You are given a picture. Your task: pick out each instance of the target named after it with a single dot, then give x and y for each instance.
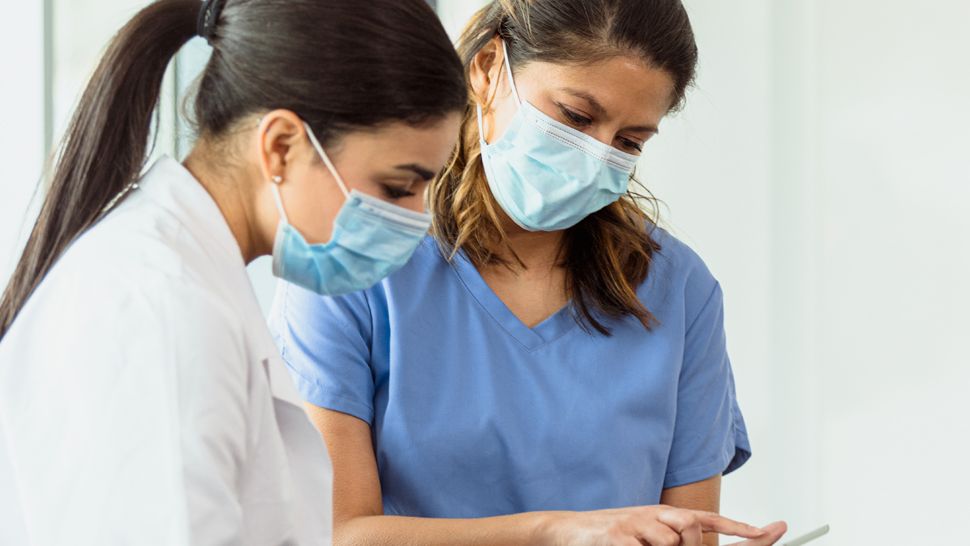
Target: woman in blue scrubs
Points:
(550, 367)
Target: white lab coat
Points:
(136, 405)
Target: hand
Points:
(773, 533)
(651, 525)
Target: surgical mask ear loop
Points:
(508, 68)
(326, 159)
(515, 92)
(277, 180)
(481, 124)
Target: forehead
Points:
(429, 144)
(625, 85)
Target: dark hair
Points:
(338, 64)
(607, 255)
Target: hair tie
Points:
(208, 15)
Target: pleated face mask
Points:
(371, 239)
(548, 176)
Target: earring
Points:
(277, 180)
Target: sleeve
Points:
(143, 406)
(710, 437)
(326, 345)
(213, 415)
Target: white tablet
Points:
(805, 539)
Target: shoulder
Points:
(136, 240)
(127, 276)
(155, 336)
(126, 299)
(430, 254)
(677, 269)
(675, 256)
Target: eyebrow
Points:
(600, 110)
(422, 172)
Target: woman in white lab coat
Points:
(135, 400)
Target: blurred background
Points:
(822, 169)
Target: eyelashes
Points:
(576, 119)
(395, 192)
(581, 122)
(627, 143)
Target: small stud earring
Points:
(277, 180)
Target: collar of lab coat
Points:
(169, 184)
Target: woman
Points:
(551, 367)
(134, 391)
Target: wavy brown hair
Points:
(608, 254)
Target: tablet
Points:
(805, 539)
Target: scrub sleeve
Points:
(325, 342)
(710, 437)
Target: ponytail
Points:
(104, 148)
(340, 65)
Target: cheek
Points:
(416, 202)
(313, 208)
(503, 110)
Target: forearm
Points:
(704, 495)
(525, 529)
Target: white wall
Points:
(893, 154)
(22, 138)
(21, 154)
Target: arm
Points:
(704, 496)
(358, 512)
(709, 434)
(212, 403)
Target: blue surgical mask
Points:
(548, 176)
(371, 239)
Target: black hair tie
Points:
(208, 15)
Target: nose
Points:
(606, 135)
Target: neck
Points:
(231, 191)
(538, 250)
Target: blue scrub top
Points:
(474, 414)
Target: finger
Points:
(685, 523)
(716, 523)
(692, 536)
(773, 534)
(654, 533)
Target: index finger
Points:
(716, 523)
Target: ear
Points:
(487, 68)
(280, 138)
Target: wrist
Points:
(543, 531)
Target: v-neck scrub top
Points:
(475, 414)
